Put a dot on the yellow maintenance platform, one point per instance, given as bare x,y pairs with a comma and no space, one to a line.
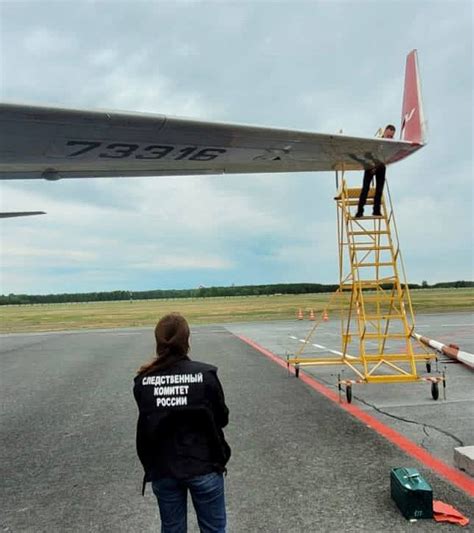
373,300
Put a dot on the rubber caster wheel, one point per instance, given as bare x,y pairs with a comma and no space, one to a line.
428,367
349,393
297,372
435,390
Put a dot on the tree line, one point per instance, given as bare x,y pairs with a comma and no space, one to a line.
201,292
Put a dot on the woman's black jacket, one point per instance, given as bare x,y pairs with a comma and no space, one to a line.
182,412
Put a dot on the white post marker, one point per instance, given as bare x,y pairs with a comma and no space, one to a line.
451,351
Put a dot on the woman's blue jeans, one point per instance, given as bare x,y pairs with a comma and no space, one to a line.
207,494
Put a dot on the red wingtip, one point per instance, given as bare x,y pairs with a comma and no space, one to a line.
413,122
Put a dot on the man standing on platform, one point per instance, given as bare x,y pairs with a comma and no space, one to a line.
379,172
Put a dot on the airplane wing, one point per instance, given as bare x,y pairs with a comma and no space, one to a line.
12,214
54,143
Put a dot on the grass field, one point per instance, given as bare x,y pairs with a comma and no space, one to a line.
56,317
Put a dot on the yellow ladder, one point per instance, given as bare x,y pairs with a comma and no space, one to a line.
377,319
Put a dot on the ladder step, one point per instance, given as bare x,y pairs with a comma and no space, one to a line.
385,336
367,217
370,201
373,264
390,357
368,232
379,298
384,317
375,284
368,247
370,283
354,192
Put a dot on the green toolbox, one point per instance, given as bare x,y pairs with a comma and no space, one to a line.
411,493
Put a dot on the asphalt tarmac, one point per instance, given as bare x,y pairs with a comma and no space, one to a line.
438,426
299,463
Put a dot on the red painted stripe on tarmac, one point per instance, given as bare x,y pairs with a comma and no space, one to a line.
457,478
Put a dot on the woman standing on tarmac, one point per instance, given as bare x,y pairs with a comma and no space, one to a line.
180,441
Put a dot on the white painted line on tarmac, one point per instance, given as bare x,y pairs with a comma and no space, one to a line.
456,325
333,351
328,349
320,346
444,325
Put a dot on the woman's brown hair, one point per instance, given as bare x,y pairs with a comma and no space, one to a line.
172,343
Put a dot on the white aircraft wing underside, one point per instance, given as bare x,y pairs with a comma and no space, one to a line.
14,214
53,143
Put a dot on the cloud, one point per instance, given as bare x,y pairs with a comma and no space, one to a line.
24,254
319,67
124,85
183,261
42,41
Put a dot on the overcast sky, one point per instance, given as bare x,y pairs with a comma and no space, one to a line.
317,65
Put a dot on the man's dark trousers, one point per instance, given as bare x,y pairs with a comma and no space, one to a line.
379,184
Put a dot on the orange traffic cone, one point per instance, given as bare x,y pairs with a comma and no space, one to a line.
325,316
311,314
300,316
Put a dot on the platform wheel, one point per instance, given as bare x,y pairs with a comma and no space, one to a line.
428,366
349,393
435,390
297,372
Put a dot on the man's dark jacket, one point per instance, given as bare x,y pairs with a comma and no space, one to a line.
181,415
